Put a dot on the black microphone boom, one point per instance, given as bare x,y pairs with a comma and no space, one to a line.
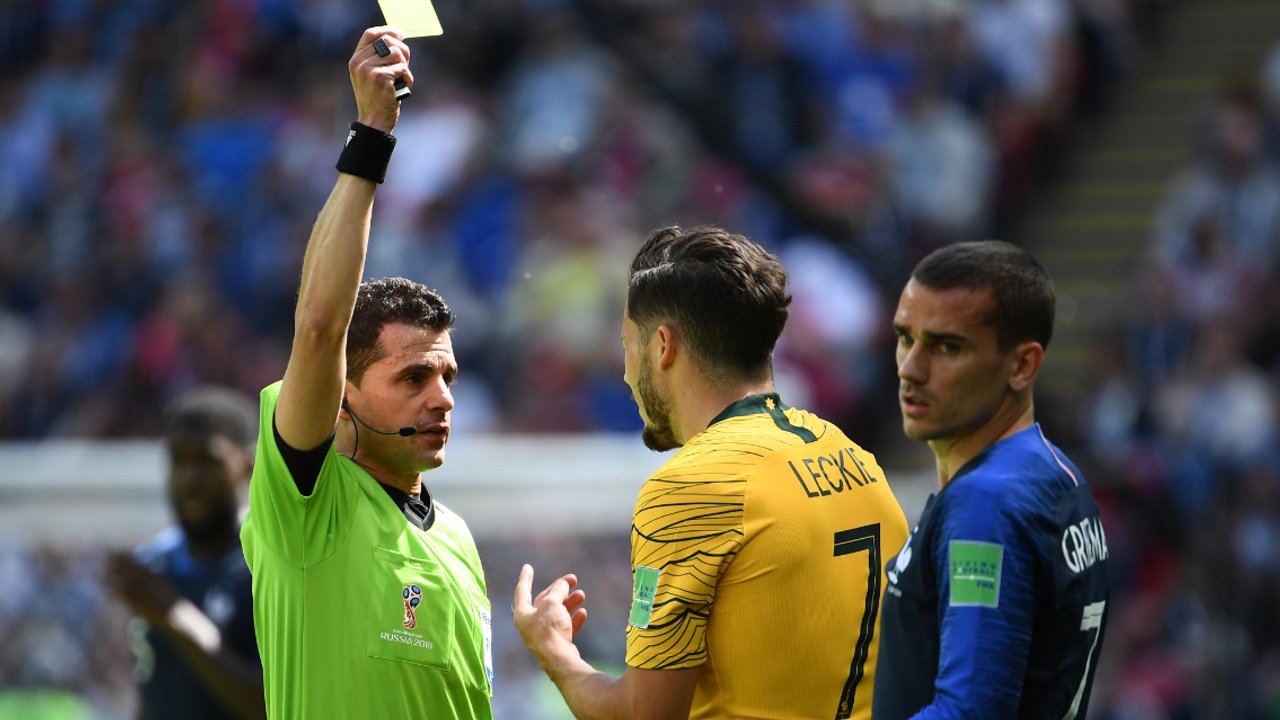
405,431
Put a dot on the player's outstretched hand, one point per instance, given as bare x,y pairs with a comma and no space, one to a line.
374,68
156,600
549,622
147,594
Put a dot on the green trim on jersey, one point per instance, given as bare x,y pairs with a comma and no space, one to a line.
770,404
358,612
749,405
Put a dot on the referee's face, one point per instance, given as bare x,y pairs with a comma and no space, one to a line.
409,386
953,378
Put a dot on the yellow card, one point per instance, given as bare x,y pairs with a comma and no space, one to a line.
415,18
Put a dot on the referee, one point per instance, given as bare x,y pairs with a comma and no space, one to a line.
369,599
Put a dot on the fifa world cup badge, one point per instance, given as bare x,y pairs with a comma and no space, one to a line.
412,598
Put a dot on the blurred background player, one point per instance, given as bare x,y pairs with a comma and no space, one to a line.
757,549
190,584
997,604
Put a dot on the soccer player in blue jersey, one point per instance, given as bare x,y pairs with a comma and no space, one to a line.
198,659
996,605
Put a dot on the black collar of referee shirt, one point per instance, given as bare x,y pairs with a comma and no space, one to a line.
417,508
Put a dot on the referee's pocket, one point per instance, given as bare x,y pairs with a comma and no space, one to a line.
410,617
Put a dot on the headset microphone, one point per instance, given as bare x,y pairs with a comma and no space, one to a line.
405,431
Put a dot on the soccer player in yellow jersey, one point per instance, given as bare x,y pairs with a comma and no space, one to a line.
758,549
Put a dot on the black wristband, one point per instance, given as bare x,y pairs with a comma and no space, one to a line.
367,153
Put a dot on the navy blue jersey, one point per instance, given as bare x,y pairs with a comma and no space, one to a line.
221,587
997,604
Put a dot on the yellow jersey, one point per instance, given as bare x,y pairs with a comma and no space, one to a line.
757,554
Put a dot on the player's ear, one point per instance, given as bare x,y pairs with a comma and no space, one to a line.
668,345
1027,358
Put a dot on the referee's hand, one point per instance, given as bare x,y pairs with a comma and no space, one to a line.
373,76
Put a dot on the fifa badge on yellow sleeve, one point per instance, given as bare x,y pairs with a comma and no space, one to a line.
646,587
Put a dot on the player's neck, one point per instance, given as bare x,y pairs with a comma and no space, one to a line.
697,408
213,544
952,454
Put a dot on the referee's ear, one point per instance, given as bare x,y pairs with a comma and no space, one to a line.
1027,357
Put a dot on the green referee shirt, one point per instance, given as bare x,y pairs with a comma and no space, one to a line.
359,613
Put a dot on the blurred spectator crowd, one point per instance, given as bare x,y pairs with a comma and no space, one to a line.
164,162
1183,428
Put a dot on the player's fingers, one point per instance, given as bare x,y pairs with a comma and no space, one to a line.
575,600
558,590
577,620
524,585
118,567
552,592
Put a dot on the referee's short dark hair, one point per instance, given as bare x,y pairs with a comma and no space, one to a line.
726,295
213,412
1022,291
388,300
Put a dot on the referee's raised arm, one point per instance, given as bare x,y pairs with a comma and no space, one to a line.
368,594
311,393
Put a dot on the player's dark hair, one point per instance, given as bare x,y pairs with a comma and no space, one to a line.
725,294
1022,291
212,412
390,300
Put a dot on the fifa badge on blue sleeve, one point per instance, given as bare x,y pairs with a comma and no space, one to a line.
975,573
